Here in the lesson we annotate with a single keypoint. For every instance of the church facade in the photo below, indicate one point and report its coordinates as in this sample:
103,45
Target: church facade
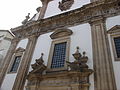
66,45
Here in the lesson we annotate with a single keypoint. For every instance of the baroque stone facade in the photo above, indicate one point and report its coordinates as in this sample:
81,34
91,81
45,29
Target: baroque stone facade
74,78
76,75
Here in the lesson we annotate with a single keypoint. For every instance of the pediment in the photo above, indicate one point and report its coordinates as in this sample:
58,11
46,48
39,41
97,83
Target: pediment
20,49
61,33
114,29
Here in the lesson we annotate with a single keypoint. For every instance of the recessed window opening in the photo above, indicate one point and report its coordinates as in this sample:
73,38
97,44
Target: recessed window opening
58,59
117,46
15,64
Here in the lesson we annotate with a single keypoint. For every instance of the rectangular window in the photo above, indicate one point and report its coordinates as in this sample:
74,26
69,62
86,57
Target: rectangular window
15,64
59,54
117,46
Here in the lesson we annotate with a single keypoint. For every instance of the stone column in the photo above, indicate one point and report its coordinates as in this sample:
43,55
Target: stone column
7,59
25,64
43,9
103,68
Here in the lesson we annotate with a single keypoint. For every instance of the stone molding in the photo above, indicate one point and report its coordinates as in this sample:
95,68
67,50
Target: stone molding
79,16
115,29
55,81
59,33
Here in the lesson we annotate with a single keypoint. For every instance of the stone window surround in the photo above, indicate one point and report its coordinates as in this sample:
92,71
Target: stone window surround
17,53
56,41
114,32
113,46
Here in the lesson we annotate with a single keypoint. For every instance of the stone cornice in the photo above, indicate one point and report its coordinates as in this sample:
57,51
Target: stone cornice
59,33
59,74
114,29
81,15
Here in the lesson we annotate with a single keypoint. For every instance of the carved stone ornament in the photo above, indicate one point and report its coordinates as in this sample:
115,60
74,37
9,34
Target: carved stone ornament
65,4
20,49
69,19
26,19
61,33
38,66
75,79
80,62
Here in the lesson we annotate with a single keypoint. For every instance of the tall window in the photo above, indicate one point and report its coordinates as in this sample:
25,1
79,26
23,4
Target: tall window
16,59
59,51
117,46
59,54
15,64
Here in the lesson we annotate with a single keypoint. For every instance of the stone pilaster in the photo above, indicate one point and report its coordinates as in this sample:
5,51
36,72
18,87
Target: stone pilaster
7,59
24,67
103,69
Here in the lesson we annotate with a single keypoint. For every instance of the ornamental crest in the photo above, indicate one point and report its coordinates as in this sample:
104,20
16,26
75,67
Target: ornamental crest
65,4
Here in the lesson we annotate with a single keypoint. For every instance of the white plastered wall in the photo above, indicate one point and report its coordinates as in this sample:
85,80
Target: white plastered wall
10,77
81,37
111,22
4,43
53,9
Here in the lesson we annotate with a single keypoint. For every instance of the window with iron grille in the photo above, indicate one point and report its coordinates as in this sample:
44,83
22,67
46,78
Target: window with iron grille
15,64
117,46
58,59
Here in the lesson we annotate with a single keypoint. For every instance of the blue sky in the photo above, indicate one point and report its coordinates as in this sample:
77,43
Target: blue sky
13,12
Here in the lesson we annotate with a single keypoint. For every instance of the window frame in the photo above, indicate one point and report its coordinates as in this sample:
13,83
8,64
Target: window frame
18,52
57,41
113,46
114,32
14,64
